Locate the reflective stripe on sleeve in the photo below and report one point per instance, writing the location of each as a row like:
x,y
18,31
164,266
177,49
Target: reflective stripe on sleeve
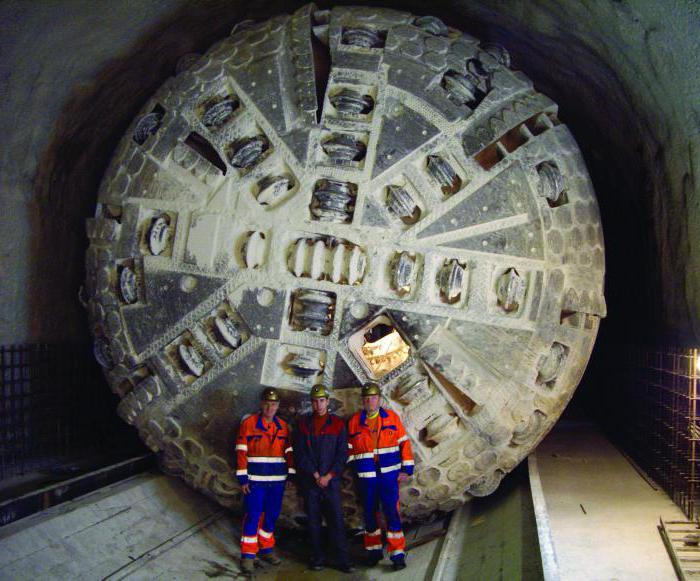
x,y
249,539
264,534
290,449
390,468
372,474
241,447
394,553
402,439
392,535
408,462
292,470
241,472
374,548
374,533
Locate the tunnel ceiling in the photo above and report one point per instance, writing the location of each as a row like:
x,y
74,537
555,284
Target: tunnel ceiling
x,y
624,76
342,197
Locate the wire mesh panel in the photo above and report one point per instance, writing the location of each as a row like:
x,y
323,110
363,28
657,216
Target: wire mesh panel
x,y
664,436
55,406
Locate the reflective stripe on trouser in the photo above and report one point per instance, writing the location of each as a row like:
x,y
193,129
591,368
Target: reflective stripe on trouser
x,y
262,507
384,491
395,543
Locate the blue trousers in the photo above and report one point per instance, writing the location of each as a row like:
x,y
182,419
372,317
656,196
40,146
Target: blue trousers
x,y
262,507
382,490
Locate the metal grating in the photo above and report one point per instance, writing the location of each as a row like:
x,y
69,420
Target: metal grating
x,y
682,539
54,407
664,434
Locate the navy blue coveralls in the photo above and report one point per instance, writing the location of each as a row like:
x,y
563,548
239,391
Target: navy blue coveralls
x,y
322,453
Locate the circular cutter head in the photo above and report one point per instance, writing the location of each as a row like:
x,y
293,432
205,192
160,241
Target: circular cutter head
x,y
347,197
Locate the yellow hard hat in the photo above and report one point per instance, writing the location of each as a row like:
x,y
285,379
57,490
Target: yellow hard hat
x,y
318,391
371,389
270,394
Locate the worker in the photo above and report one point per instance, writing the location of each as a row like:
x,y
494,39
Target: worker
x,y
381,455
264,458
320,454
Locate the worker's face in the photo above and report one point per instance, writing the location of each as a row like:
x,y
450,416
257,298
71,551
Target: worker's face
x,y
320,405
370,403
269,409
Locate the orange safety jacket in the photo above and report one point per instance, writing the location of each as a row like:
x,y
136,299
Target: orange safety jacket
x,y
393,452
263,455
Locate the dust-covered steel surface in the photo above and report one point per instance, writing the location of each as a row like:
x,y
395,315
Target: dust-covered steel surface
x,y
425,222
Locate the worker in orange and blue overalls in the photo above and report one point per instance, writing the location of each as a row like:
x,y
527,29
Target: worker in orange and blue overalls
x,y
263,461
381,456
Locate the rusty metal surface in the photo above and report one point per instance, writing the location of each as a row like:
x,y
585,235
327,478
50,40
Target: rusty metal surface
x,y
249,235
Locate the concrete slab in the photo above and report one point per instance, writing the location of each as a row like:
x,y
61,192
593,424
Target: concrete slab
x,y
93,536
603,514
603,517
495,537
152,526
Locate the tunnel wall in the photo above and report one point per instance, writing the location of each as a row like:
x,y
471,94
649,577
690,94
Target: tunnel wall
x,y
624,74
74,75
626,77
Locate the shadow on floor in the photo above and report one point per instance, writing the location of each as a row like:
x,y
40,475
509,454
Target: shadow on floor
x,y
500,541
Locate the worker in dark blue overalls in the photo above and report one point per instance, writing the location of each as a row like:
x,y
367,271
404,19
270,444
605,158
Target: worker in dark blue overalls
x,y
321,451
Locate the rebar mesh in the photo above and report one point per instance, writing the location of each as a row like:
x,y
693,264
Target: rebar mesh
x,y
55,407
663,434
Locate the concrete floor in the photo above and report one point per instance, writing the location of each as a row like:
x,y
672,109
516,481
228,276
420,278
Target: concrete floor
x,y
603,515
498,540
152,527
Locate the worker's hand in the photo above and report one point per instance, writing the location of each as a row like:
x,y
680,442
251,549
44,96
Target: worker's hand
x,y
403,477
324,480
245,488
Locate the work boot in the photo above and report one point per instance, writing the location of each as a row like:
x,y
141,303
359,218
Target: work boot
x,y
399,562
373,558
247,567
270,558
